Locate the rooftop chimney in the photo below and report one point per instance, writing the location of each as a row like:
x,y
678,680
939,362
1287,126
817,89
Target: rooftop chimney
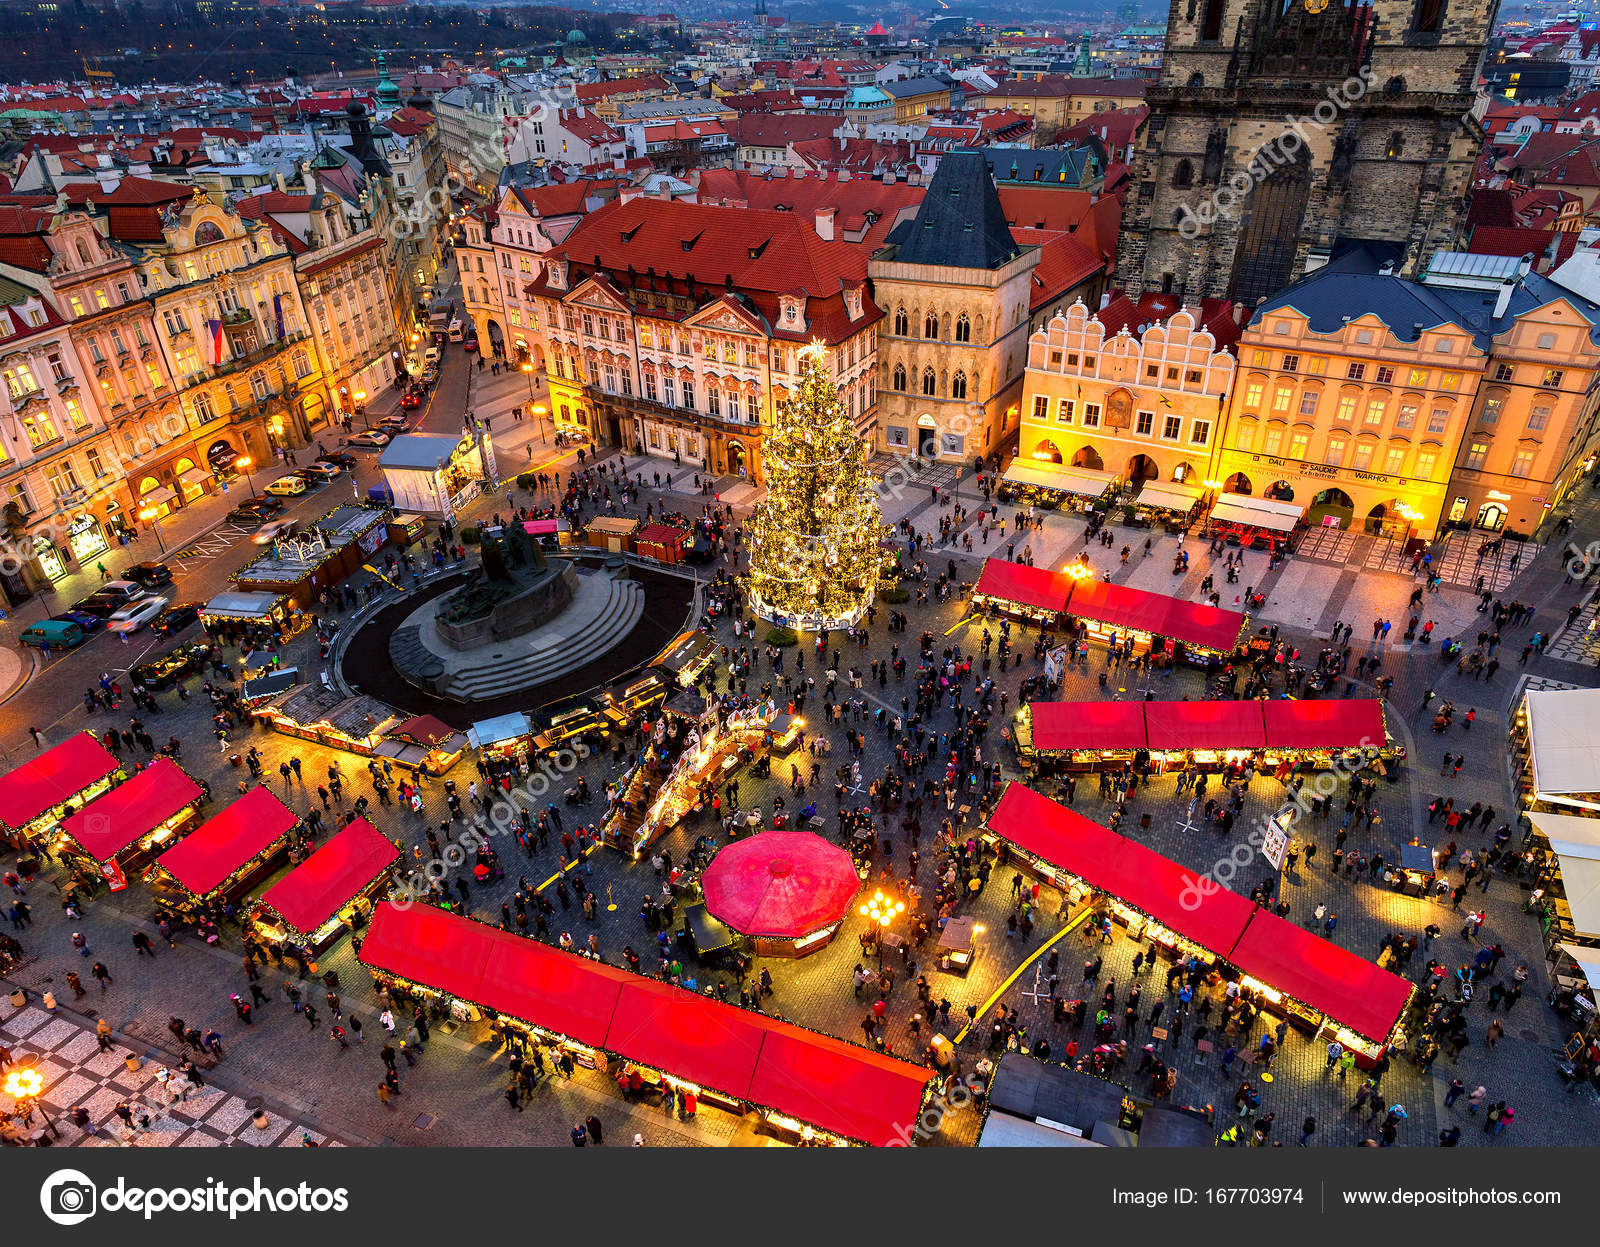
x,y
824,223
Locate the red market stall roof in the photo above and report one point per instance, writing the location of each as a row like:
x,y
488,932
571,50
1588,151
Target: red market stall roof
x,y
1325,724
661,535
1088,725
203,860
1107,862
820,1081
541,528
112,822
1349,989
781,884
570,995
1205,724
55,776
1193,623
1035,587
423,730
313,891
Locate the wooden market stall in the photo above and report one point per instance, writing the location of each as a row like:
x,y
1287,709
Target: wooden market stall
x,y
124,828
422,743
615,533
320,899
1035,593
332,548
34,795
223,858
665,543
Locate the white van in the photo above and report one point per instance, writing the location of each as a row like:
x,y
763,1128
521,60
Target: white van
x,y
455,330
430,356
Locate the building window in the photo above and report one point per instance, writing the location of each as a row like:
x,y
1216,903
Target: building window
x,y
900,381
1252,395
1308,403
1171,426
1385,376
1200,432
1418,378
963,329
1299,443
1522,463
1245,438
669,393
1363,459
1426,459
958,385
688,395
1260,358
1282,398
713,401
1273,442
1406,416
928,381
733,405
1291,363
1491,409
1091,415
1477,452
1504,372
1144,423
930,326
902,323
1538,418
1336,449
1347,408
1355,372
1395,460
1064,411
1375,410
1438,419
650,386
1041,406
1552,378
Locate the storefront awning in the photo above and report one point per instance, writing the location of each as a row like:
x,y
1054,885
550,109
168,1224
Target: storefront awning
x,y
157,496
242,604
1317,972
1197,623
1570,835
54,777
112,822
1268,513
1205,724
204,859
1040,475
780,885
195,476
1564,741
1588,960
814,1079
1173,496
335,874
1324,724
1580,879
1035,587
1072,725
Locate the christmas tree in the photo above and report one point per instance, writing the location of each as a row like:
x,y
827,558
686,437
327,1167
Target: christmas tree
x,y
814,555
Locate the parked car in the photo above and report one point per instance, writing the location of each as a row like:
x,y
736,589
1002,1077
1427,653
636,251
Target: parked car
x,y
150,575
410,399
167,670
253,511
375,439
56,633
101,608
287,486
271,531
431,355
121,592
469,344
136,614
319,473
176,618
340,457
87,620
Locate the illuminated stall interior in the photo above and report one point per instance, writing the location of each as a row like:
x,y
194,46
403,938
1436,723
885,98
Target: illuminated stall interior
x,y
315,903
33,795
137,819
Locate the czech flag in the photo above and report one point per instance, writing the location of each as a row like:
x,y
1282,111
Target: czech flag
x,y
216,340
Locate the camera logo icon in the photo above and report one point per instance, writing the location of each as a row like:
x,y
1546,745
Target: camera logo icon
x,y
68,1197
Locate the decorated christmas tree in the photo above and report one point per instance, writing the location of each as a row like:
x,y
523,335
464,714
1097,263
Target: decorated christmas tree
x,y
814,542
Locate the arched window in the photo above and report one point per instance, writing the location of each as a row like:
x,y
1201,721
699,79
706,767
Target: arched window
x,y
302,364
1197,80
902,323
1395,145
958,385
927,381
963,329
930,326
1183,175
900,377
1395,86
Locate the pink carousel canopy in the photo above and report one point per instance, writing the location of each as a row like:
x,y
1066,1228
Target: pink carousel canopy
x,y
781,884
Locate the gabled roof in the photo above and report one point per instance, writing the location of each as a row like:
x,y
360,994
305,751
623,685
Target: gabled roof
x,y
961,223
1064,264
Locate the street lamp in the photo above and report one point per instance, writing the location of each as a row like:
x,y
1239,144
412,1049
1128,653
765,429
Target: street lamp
x,y
537,410
25,1084
244,463
153,514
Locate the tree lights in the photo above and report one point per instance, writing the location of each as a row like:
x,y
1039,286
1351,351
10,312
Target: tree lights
x,y
814,542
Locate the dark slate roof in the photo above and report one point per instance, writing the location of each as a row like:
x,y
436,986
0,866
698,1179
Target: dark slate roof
x,y
1328,298
1042,165
904,88
961,222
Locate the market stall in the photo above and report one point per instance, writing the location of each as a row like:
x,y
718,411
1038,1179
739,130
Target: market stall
x,y
422,743
1555,749
1172,504
257,692
1080,735
787,890
804,1086
1035,593
552,535
689,654
436,475
1051,485
315,712
614,533
332,548
33,795
263,617
1292,971
123,829
1419,866
506,737
1260,523
663,542
317,901
1196,631
226,855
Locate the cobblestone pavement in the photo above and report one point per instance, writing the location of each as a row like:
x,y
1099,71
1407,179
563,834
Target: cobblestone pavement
x,y
453,1094
165,1108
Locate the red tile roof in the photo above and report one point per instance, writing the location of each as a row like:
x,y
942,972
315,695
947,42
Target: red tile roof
x,y
1064,264
592,92
853,200
22,241
133,209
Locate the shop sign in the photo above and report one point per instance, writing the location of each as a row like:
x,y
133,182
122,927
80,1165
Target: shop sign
x,y
371,539
1260,644
1275,844
112,873
1325,472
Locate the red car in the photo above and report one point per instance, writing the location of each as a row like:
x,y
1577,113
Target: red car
x,y
470,344
411,399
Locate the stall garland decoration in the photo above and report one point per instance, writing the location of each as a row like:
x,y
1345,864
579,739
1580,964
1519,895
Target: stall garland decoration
x,y
277,846
814,541
337,913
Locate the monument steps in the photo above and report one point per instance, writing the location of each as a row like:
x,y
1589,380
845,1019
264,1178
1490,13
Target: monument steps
x,y
593,633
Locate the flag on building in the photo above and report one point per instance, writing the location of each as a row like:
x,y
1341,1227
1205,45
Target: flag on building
x,y
277,313
216,340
